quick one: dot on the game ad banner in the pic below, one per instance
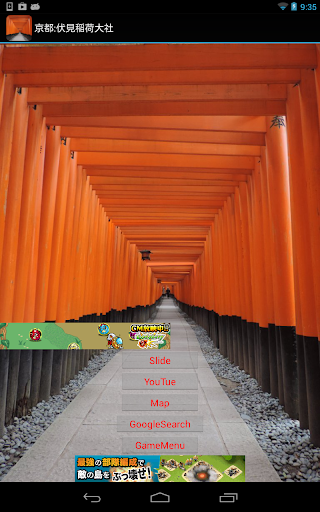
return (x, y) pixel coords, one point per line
(50, 335)
(160, 468)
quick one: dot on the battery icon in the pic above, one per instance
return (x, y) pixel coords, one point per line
(228, 497)
(294, 6)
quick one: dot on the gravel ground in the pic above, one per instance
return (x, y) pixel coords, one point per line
(286, 445)
(23, 433)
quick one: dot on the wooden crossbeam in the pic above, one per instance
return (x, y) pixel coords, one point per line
(157, 57)
(156, 77)
(167, 108)
(156, 93)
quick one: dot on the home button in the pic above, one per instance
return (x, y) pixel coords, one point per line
(160, 497)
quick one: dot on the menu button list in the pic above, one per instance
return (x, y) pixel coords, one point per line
(168, 382)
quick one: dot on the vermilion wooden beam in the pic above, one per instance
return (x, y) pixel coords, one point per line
(142, 77)
(182, 207)
(158, 228)
(157, 57)
(157, 266)
(100, 182)
(170, 275)
(95, 174)
(174, 248)
(152, 223)
(170, 134)
(127, 170)
(158, 260)
(167, 108)
(169, 282)
(175, 254)
(183, 198)
(190, 215)
(205, 217)
(149, 189)
(171, 161)
(139, 217)
(151, 212)
(130, 146)
(158, 235)
(152, 93)
(233, 123)
(177, 216)
(110, 201)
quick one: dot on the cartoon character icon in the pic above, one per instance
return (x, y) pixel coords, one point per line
(117, 343)
(103, 329)
(114, 340)
(35, 334)
(110, 338)
(73, 346)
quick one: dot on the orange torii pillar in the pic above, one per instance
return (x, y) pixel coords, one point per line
(248, 325)
(317, 72)
(67, 307)
(234, 308)
(268, 269)
(238, 278)
(101, 258)
(221, 307)
(118, 263)
(311, 144)
(241, 277)
(58, 230)
(6, 137)
(116, 269)
(28, 243)
(247, 320)
(13, 206)
(133, 263)
(206, 283)
(198, 290)
(125, 277)
(108, 264)
(48, 203)
(1, 78)
(138, 285)
(225, 320)
(91, 276)
(61, 306)
(235, 326)
(29, 311)
(210, 284)
(304, 155)
(283, 283)
(80, 248)
(260, 303)
(213, 330)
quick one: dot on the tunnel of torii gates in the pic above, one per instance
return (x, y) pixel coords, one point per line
(208, 156)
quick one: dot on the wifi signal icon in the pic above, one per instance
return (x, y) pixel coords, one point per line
(283, 5)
